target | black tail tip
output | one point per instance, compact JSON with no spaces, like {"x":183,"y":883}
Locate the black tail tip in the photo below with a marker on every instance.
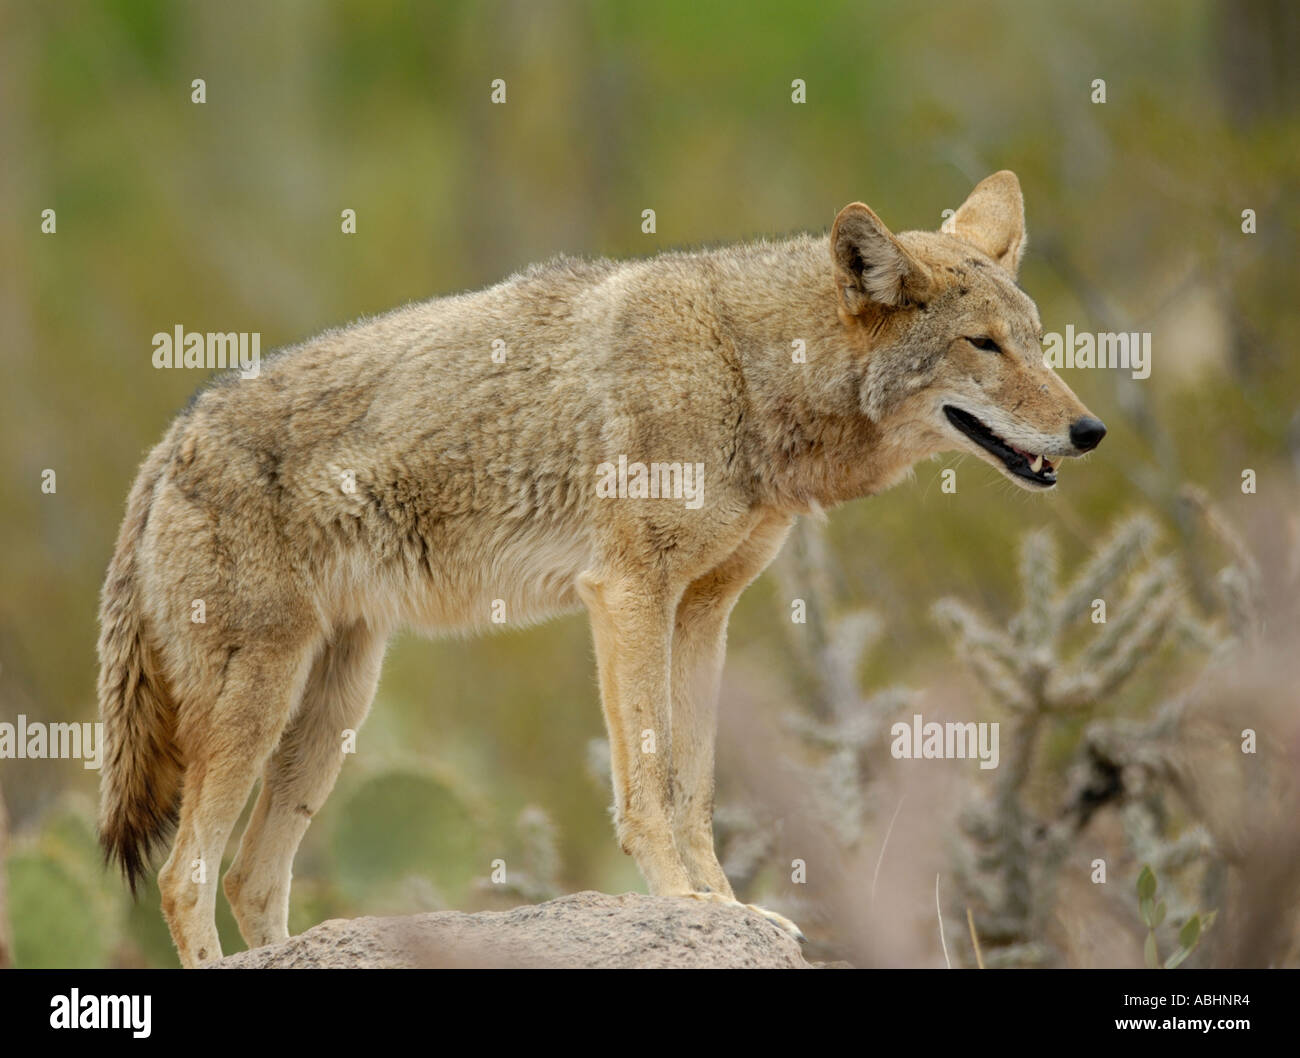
{"x":127,"y":856}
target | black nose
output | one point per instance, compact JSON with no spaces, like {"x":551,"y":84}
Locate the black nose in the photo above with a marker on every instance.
{"x":1086,"y":433}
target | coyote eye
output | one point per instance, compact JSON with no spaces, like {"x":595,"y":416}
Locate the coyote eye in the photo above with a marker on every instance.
{"x":987,"y":344}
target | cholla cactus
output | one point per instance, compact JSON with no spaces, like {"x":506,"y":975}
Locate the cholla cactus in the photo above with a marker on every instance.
{"x":536,"y":877}
{"x":827,"y":648}
{"x":1142,"y":756}
{"x":746,"y":844}
{"x":1028,"y":668}
{"x":1239,"y":584}
{"x":1008,"y":857}
{"x":842,"y":725}
{"x":1134,"y":764}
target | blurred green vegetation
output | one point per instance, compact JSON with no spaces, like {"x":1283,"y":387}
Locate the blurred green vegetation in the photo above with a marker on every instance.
{"x":225,"y":216}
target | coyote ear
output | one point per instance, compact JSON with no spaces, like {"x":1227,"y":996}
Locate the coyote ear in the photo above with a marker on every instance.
{"x":992,"y":219}
{"x":870,"y":264}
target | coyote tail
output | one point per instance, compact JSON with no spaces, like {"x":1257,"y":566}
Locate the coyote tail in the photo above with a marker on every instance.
{"x":142,"y":767}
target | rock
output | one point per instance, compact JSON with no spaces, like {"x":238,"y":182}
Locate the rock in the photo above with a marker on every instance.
{"x":585,"y":930}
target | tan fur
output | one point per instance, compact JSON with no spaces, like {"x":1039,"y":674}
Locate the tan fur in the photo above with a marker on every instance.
{"x":476,"y":481}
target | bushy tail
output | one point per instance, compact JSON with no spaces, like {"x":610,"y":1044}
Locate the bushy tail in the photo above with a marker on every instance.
{"x":142,"y":768}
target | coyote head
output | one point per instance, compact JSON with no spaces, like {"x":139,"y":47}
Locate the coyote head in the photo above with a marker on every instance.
{"x":953,"y":355}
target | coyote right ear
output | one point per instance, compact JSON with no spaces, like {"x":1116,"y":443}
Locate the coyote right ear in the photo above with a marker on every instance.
{"x":870,"y":264}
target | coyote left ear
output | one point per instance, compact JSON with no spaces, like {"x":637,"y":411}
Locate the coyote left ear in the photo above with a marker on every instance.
{"x":871,"y":265}
{"x":992,"y":219}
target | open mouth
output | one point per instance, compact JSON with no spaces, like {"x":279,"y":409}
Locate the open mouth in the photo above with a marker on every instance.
{"x":1027,"y":465}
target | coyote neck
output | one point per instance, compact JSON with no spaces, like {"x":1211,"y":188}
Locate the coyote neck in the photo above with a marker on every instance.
{"x":810,"y":443}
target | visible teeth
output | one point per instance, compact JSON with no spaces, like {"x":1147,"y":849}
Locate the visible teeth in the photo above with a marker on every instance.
{"x":1037,"y":464}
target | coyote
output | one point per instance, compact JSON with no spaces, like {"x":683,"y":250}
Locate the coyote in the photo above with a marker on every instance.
{"x":496,"y":449}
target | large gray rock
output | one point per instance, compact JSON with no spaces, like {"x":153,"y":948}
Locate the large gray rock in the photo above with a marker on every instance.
{"x":588,"y":929}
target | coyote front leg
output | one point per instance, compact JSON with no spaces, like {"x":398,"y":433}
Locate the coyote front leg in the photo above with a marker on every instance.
{"x":631,"y":623}
{"x":698,"y":652}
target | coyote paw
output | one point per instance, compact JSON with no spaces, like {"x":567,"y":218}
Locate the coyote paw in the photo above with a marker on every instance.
{"x":780,"y":921}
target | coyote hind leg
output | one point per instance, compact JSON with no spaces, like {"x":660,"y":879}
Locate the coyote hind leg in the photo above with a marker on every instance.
{"x":298,"y":778}
{"x":224,"y":746}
